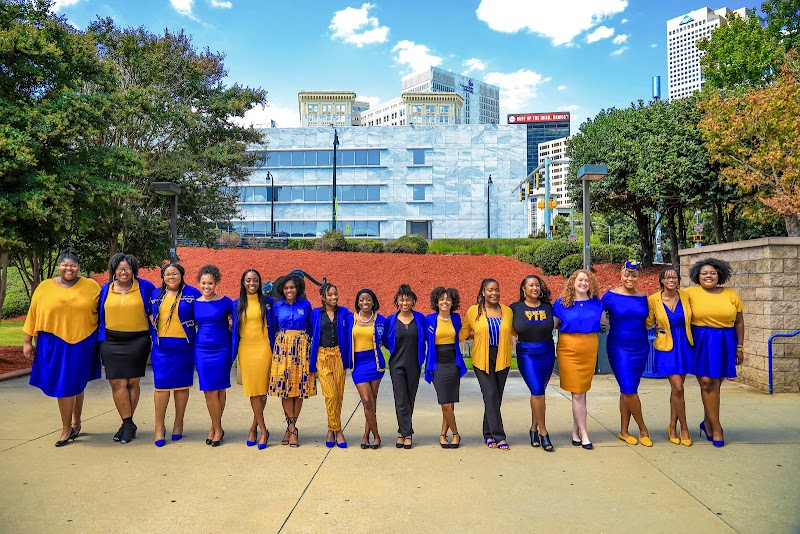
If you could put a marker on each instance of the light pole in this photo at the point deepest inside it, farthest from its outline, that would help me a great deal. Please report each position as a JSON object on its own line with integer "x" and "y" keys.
{"x": 488, "y": 211}
{"x": 586, "y": 174}
{"x": 335, "y": 146}
{"x": 271, "y": 204}
{"x": 609, "y": 230}
{"x": 169, "y": 189}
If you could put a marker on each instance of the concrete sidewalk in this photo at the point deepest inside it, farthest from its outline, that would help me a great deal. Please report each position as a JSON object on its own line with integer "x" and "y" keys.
{"x": 96, "y": 485}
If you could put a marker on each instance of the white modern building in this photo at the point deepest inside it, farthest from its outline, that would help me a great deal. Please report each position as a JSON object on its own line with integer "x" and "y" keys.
{"x": 555, "y": 149}
{"x": 427, "y": 180}
{"x": 481, "y": 99}
{"x": 684, "y": 74}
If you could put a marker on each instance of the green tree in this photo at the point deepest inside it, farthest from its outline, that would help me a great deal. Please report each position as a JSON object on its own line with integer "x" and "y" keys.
{"x": 783, "y": 21}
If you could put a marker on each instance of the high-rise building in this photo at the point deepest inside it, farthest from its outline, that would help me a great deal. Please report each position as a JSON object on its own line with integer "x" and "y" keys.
{"x": 481, "y": 99}
{"x": 329, "y": 108}
{"x": 430, "y": 109}
{"x": 684, "y": 74}
{"x": 540, "y": 128}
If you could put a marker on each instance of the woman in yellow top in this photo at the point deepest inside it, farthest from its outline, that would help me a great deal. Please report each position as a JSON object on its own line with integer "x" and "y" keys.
{"x": 718, "y": 332}
{"x": 63, "y": 320}
{"x": 253, "y": 347}
{"x": 491, "y": 325}
{"x": 670, "y": 313}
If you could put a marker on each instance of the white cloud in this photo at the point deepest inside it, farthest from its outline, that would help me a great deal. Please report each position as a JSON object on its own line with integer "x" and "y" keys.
{"x": 355, "y": 26}
{"x": 184, "y": 7}
{"x": 654, "y": 45}
{"x": 372, "y": 100}
{"x": 517, "y": 89}
{"x": 620, "y": 39}
{"x": 221, "y": 3}
{"x": 562, "y": 87}
{"x": 473, "y": 64}
{"x": 260, "y": 116}
{"x": 602, "y": 32}
{"x": 560, "y": 21}
{"x": 61, "y": 4}
{"x": 619, "y": 51}
{"x": 624, "y": 21}
{"x": 418, "y": 57}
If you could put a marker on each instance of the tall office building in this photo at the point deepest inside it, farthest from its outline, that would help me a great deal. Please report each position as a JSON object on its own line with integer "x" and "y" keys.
{"x": 684, "y": 74}
{"x": 540, "y": 128}
{"x": 481, "y": 99}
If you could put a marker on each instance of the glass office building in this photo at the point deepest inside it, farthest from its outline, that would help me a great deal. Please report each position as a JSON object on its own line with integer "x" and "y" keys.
{"x": 428, "y": 180}
{"x": 540, "y": 128}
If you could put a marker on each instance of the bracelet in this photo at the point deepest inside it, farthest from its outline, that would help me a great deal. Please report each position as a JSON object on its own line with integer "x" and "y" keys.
{"x": 739, "y": 347}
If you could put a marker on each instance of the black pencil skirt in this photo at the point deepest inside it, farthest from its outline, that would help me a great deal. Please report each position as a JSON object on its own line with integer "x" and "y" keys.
{"x": 125, "y": 353}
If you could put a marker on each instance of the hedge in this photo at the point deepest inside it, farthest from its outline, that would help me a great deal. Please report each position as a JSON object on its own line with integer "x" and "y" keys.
{"x": 494, "y": 246}
{"x": 331, "y": 240}
{"x": 620, "y": 253}
{"x": 550, "y": 254}
{"x": 369, "y": 245}
{"x": 408, "y": 244}
{"x": 570, "y": 264}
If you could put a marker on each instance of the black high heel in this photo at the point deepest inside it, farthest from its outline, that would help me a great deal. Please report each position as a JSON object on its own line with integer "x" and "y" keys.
{"x": 128, "y": 433}
{"x": 72, "y": 435}
{"x": 218, "y": 443}
{"x": 446, "y": 444}
{"x": 454, "y": 445}
{"x": 547, "y": 445}
{"x": 118, "y": 435}
{"x": 534, "y": 438}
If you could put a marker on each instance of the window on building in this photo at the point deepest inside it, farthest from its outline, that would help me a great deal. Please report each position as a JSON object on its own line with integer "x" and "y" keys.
{"x": 418, "y": 156}
{"x": 361, "y": 157}
{"x": 430, "y": 109}
{"x": 298, "y": 158}
{"x": 373, "y": 193}
{"x": 444, "y": 119}
{"x": 327, "y": 108}
{"x": 313, "y": 108}
{"x": 340, "y": 108}
{"x": 430, "y": 119}
{"x": 416, "y": 109}
{"x": 444, "y": 109}
{"x": 373, "y": 157}
{"x": 418, "y": 192}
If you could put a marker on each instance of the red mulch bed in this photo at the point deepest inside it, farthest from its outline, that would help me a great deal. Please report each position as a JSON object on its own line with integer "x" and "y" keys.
{"x": 11, "y": 359}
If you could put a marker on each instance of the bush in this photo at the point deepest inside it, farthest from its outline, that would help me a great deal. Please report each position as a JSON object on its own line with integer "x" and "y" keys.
{"x": 400, "y": 247}
{"x": 229, "y": 239}
{"x": 525, "y": 253}
{"x": 416, "y": 243}
{"x": 600, "y": 254}
{"x": 369, "y": 245}
{"x": 295, "y": 244}
{"x": 351, "y": 245}
{"x": 331, "y": 240}
{"x": 620, "y": 253}
{"x": 548, "y": 255}
{"x": 16, "y": 302}
{"x": 498, "y": 246}
{"x": 570, "y": 264}
{"x": 253, "y": 243}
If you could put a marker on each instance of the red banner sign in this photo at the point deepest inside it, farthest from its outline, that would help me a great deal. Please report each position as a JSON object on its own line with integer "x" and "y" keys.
{"x": 521, "y": 118}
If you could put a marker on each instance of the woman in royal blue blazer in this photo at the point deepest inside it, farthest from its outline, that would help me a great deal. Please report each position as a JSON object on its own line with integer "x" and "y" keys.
{"x": 444, "y": 363}
{"x": 404, "y": 338}
{"x": 173, "y": 332}
{"x": 368, "y": 361}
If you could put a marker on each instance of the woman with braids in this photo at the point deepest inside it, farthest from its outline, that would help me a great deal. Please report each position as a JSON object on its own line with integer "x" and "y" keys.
{"x": 62, "y": 319}
{"x": 212, "y": 350}
{"x": 404, "y": 338}
{"x": 444, "y": 363}
{"x": 536, "y": 354}
{"x": 174, "y": 331}
{"x": 578, "y": 315}
{"x": 331, "y": 329}
{"x": 252, "y": 345}
{"x": 291, "y": 378}
{"x": 368, "y": 361}
{"x": 491, "y": 325}
{"x": 718, "y": 333}
{"x": 125, "y": 336}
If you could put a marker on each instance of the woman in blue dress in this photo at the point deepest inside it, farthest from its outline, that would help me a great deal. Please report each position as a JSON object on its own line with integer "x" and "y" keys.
{"x": 628, "y": 348}
{"x": 671, "y": 314}
{"x": 212, "y": 349}
{"x": 174, "y": 331}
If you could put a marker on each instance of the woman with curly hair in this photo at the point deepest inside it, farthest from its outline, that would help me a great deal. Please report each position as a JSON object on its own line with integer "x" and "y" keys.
{"x": 291, "y": 377}
{"x": 444, "y": 363}
{"x": 404, "y": 338}
{"x": 536, "y": 354}
{"x": 579, "y": 313}
{"x": 718, "y": 332}
{"x": 173, "y": 331}
{"x": 491, "y": 325}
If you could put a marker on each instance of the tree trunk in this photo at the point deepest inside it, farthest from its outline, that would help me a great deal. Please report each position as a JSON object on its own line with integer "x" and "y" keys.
{"x": 3, "y": 279}
{"x": 730, "y": 222}
{"x": 792, "y": 225}
{"x": 681, "y": 230}
{"x": 673, "y": 239}
{"x": 718, "y": 221}
{"x": 645, "y": 235}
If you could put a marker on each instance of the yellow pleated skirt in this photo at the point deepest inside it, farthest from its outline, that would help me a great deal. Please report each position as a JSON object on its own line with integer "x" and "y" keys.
{"x": 577, "y": 360}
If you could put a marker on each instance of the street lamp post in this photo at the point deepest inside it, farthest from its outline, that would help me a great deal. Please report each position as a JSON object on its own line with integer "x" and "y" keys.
{"x": 488, "y": 210}
{"x": 271, "y": 204}
{"x": 335, "y": 146}
{"x": 173, "y": 190}
{"x": 586, "y": 174}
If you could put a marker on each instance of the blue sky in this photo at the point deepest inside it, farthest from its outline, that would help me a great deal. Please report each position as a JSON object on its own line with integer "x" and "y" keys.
{"x": 546, "y": 55}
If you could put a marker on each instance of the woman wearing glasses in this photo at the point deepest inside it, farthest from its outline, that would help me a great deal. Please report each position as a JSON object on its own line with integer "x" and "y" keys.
{"x": 718, "y": 332}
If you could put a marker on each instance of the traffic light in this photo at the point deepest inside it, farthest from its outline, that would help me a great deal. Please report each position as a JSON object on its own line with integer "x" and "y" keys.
{"x": 552, "y": 228}
{"x": 697, "y": 238}
{"x": 521, "y": 194}
{"x": 529, "y": 185}
{"x": 536, "y": 178}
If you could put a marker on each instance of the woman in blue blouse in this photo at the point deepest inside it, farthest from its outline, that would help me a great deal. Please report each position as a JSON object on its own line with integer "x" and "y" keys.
{"x": 444, "y": 363}
{"x": 578, "y": 313}
{"x": 291, "y": 378}
{"x": 628, "y": 348}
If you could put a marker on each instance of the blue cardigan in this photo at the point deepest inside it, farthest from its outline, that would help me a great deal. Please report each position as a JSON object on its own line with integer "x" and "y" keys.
{"x": 344, "y": 332}
{"x": 430, "y": 354}
{"x": 379, "y": 330}
{"x": 235, "y": 326}
{"x": 390, "y": 335}
{"x": 146, "y": 289}
{"x": 185, "y": 311}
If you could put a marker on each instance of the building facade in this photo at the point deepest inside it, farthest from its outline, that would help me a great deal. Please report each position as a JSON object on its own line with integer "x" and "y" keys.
{"x": 684, "y": 75}
{"x": 555, "y": 149}
{"x": 329, "y": 108}
{"x": 481, "y": 99}
{"x": 429, "y": 109}
{"x": 391, "y": 182}
{"x": 540, "y": 128}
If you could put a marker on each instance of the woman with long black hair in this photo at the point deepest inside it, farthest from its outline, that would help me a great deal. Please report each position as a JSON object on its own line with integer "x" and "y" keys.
{"x": 369, "y": 364}
{"x": 173, "y": 331}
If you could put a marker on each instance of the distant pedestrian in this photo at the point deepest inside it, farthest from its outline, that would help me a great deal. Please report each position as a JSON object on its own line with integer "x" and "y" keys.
{"x": 369, "y": 364}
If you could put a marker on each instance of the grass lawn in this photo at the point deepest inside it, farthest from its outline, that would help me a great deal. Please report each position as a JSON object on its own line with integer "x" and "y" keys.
{"x": 11, "y": 333}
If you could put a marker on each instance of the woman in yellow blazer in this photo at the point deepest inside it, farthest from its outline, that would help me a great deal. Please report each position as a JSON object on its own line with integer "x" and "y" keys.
{"x": 491, "y": 326}
{"x": 671, "y": 314}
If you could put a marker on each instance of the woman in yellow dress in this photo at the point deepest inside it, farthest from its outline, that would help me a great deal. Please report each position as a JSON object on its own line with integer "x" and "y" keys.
{"x": 62, "y": 319}
{"x": 252, "y": 345}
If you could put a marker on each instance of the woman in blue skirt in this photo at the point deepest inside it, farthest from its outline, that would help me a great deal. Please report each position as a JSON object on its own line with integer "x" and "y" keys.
{"x": 62, "y": 322}
{"x": 212, "y": 349}
{"x": 174, "y": 331}
{"x": 368, "y": 361}
{"x": 536, "y": 352}
{"x": 718, "y": 332}
{"x": 671, "y": 315}
{"x": 628, "y": 348}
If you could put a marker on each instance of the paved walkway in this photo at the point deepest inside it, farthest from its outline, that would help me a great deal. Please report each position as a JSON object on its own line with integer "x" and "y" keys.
{"x": 96, "y": 485}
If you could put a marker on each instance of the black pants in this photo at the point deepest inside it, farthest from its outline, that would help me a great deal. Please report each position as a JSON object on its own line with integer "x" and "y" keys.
{"x": 405, "y": 382}
{"x": 492, "y": 385}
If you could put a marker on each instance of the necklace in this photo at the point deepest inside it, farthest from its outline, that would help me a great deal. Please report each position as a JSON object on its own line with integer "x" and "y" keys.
{"x": 360, "y": 318}
{"x": 445, "y": 318}
{"x": 213, "y": 298}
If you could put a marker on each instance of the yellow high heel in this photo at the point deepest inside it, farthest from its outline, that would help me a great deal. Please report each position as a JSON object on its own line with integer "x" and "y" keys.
{"x": 630, "y": 440}
{"x": 675, "y": 441}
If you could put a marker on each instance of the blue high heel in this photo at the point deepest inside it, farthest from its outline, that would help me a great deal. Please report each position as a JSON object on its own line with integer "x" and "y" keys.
{"x": 330, "y": 444}
{"x": 718, "y": 443}
{"x": 177, "y": 437}
{"x": 262, "y": 446}
{"x": 703, "y": 430}
{"x": 160, "y": 442}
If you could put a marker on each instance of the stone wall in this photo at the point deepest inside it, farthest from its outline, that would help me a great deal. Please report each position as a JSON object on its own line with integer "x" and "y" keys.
{"x": 766, "y": 274}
